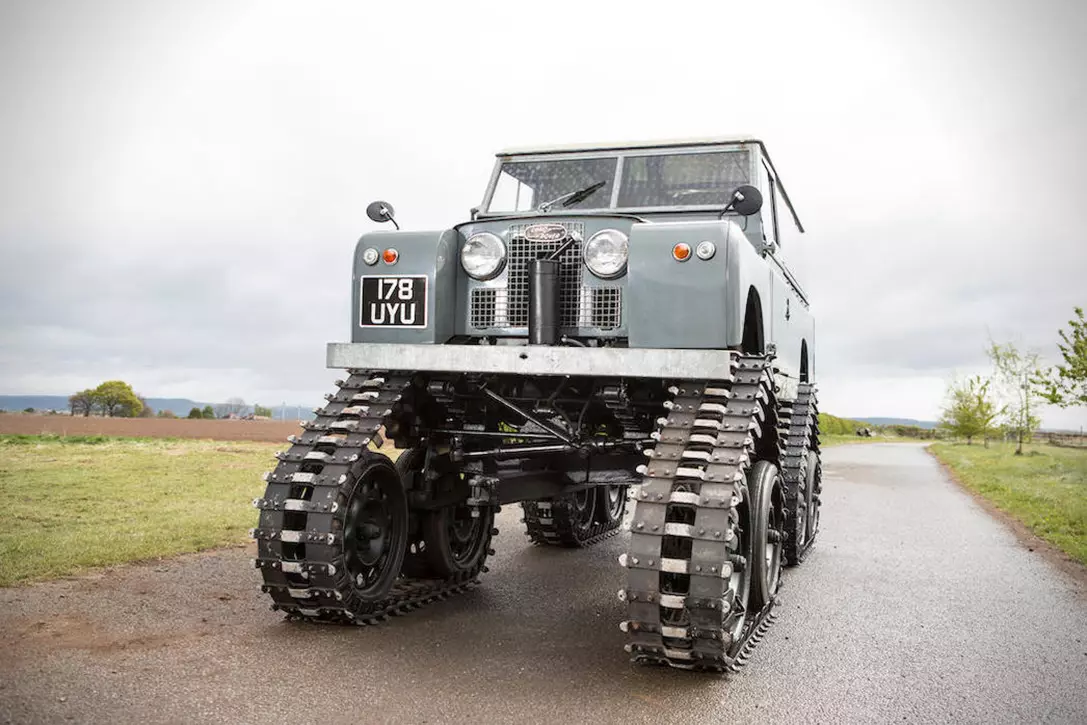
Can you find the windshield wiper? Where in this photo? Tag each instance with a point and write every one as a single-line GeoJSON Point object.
{"type": "Point", "coordinates": [573, 197]}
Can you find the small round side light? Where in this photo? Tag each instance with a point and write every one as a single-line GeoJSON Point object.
{"type": "Point", "coordinates": [681, 252]}
{"type": "Point", "coordinates": [390, 256]}
{"type": "Point", "coordinates": [706, 250]}
{"type": "Point", "coordinates": [370, 256]}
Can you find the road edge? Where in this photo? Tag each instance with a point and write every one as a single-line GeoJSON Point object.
{"type": "Point", "coordinates": [1064, 563]}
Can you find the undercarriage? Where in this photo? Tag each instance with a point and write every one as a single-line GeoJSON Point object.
{"type": "Point", "coordinates": [716, 469]}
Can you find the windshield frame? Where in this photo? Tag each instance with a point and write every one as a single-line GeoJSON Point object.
{"type": "Point", "coordinates": [620, 155]}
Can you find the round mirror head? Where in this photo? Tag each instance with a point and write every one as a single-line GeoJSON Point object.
{"type": "Point", "coordinates": [380, 211]}
{"type": "Point", "coordinates": [746, 200]}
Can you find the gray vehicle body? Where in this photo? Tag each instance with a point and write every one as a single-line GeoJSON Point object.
{"type": "Point", "coordinates": [660, 319]}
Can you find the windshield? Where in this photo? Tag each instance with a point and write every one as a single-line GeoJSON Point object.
{"type": "Point", "coordinates": [525, 185]}
{"type": "Point", "coordinates": [682, 179]}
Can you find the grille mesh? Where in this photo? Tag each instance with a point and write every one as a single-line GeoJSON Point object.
{"type": "Point", "coordinates": [498, 307]}
{"type": "Point", "coordinates": [522, 250]}
{"type": "Point", "coordinates": [607, 307]}
{"type": "Point", "coordinates": [484, 310]}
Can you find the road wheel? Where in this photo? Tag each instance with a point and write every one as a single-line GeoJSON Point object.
{"type": "Point", "coordinates": [566, 520]}
{"type": "Point", "coordinates": [457, 539]}
{"type": "Point", "coordinates": [611, 504]}
{"type": "Point", "coordinates": [447, 541]}
{"type": "Point", "coordinates": [375, 529]}
{"type": "Point", "coordinates": [767, 522]}
{"type": "Point", "coordinates": [798, 498]}
{"type": "Point", "coordinates": [416, 565]}
{"type": "Point", "coordinates": [575, 516]}
{"type": "Point", "coordinates": [814, 488]}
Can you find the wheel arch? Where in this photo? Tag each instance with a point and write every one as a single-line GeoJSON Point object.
{"type": "Point", "coordinates": [754, 329]}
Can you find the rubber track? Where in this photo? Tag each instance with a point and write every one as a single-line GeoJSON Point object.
{"type": "Point", "coordinates": [800, 426]}
{"type": "Point", "coordinates": [299, 542]}
{"type": "Point", "coordinates": [549, 523]}
{"type": "Point", "coordinates": [705, 447]}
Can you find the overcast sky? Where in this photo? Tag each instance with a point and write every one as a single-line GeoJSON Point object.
{"type": "Point", "coordinates": [182, 183]}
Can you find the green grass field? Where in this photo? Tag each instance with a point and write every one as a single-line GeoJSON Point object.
{"type": "Point", "coordinates": [1046, 488]}
{"type": "Point", "coordinates": [70, 504]}
{"type": "Point", "coordinates": [835, 439]}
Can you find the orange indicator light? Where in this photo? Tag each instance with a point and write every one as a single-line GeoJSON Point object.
{"type": "Point", "coordinates": [390, 255]}
{"type": "Point", "coordinates": [681, 252]}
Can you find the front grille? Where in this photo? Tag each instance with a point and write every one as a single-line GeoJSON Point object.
{"type": "Point", "coordinates": [579, 307]}
{"type": "Point", "coordinates": [521, 251]}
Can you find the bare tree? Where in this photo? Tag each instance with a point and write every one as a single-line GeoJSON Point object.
{"type": "Point", "coordinates": [233, 406]}
{"type": "Point", "coordinates": [1016, 371]}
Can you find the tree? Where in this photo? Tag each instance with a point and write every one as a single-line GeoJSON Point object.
{"type": "Point", "coordinates": [116, 398]}
{"type": "Point", "coordinates": [195, 413]}
{"type": "Point", "coordinates": [1066, 385]}
{"type": "Point", "coordinates": [232, 406]}
{"type": "Point", "coordinates": [147, 411]}
{"type": "Point", "coordinates": [170, 414]}
{"type": "Point", "coordinates": [207, 412]}
{"type": "Point", "coordinates": [28, 410]}
{"type": "Point", "coordinates": [1015, 373]}
{"type": "Point", "coordinates": [260, 410]}
{"type": "Point", "coordinates": [970, 409]}
{"type": "Point", "coordinates": [83, 402]}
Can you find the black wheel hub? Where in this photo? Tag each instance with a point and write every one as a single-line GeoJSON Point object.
{"type": "Point", "coordinates": [373, 527]}
{"type": "Point", "coordinates": [616, 500]}
{"type": "Point", "coordinates": [466, 534]}
{"type": "Point", "coordinates": [583, 505]}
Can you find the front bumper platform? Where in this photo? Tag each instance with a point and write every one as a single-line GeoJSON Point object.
{"type": "Point", "coordinates": [534, 360]}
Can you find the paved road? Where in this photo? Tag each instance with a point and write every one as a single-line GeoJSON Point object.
{"type": "Point", "coordinates": [915, 606]}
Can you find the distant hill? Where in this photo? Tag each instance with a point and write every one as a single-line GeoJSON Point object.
{"type": "Point", "coordinates": [178, 406]}
{"type": "Point", "coordinates": [898, 421]}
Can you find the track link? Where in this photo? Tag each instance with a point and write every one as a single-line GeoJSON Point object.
{"type": "Point", "coordinates": [551, 522]}
{"type": "Point", "coordinates": [800, 426]}
{"type": "Point", "coordinates": [688, 523]}
{"type": "Point", "coordinates": [300, 548]}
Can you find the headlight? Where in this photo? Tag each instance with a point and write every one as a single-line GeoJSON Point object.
{"type": "Point", "coordinates": [483, 255]}
{"type": "Point", "coordinates": [606, 253]}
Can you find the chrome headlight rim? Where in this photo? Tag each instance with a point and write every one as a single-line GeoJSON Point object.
{"type": "Point", "coordinates": [593, 264]}
{"type": "Point", "coordinates": [498, 261]}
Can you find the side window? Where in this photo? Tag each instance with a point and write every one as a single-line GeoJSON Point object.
{"type": "Point", "coordinates": [774, 206]}
{"type": "Point", "coordinates": [769, 205]}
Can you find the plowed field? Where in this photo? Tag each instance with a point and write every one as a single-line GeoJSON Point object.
{"type": "Point", "coordinates": [222, 430]}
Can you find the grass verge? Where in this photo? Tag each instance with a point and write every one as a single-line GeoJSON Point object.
{"type": "Point", "coordinates": [838, 439]}
{"type": "Point", "coordinates": [1045, 489]}
{"type": "Point", "coordinates": [79, 502]}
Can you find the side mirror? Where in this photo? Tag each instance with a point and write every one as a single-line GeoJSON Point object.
{"type": "Point", "coordinates": [746, 200]}
{"type": "Point", "coordinates": [381, 212]}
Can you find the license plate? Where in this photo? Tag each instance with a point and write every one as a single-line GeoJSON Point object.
{"type": "Point", "coordinates": [393, 301]}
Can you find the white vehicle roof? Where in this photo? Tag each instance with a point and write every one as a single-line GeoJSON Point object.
{"type": "Point", "coordinates": [620, 145]}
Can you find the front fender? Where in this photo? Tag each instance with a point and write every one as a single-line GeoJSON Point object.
{"type": "Point", "coordinates": [429, 254]}
{"type": "Point", "coordinates": [691, 304]}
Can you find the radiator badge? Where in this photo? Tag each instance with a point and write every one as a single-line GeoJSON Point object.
{"type": "Point", "coordinates": [545, 233]}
